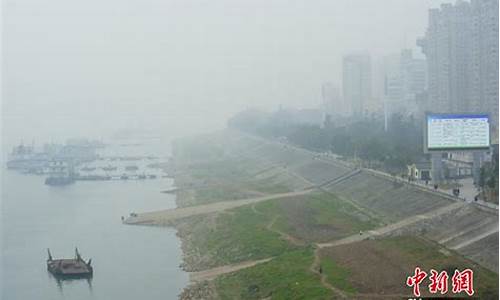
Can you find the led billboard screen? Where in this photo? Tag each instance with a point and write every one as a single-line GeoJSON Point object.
{"type": "Point", "coordinates": [447, 132]}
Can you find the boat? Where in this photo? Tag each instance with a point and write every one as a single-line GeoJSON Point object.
{"type": "Point", "coordinates": [124, 177]}
{"type": "Point", "coordinates": [61, 173]}
{"type": "Point", "coordinates": [87, 169]}
{"type": "Point", "coordinates": [69, 268]}
{"type": "Point", "coordinates": [25, 158]}
{"type": "Point", "coordinates": [109, 168]}
{"type": "Point", "coordinates": [93, 177]}
{"type": "Point", "coordinates": [59, 180]}
{"type": "Point", "coordinates": [131, 168]}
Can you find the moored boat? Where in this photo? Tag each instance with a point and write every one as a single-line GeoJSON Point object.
{"type": "Point", "coordinates": [60, 180]}
{"type": "Point", "coordinates": [69, 268]}
{"type": "Point", "coordinates": [110, 168]}
{"type": "Point", "coordinates": [131, 168]}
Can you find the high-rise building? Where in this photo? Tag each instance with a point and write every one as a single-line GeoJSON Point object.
{"type": "Point", "coordinates": [485, 57]}
{"type": "Point", "coordinates": [461, 46]}
{"type": "Point", "coordinates": [357, 84]}
{"type": "Point", "coordinates": [405, 79]}
{"type": "Point", "coordinates": [332, 101]}
{"type": "Point", "coordinates": [413, 73]}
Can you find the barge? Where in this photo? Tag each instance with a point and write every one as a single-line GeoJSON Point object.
{"type": "Point", "coordinates": [69, 268]}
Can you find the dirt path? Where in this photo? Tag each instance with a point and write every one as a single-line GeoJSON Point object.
{"type": "Point", "coordinates": [164, 216]}
{"type": "Point", "coordinates": [285, 236]}
{"type": "Point", "coordinates": [213, 273]}
{"type": "Point", "coordinates": [392, 227]}
{"type": "Point", "coordinates": [296, 175]}
{"type": "Point", "coordinates": [315, 269]}
{"type": "Point", "coordinates": [315, 265]}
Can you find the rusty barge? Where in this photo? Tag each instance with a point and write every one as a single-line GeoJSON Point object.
{"type": "Point", "coordinates": [69, 268]}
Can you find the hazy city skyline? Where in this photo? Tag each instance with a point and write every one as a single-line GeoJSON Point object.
{"type": "Point", "coordinates": [98, 66]}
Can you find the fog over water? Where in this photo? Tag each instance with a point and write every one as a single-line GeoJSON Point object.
{"type": "Point", "coordinates": [129, 262]}
{"type": "Point", "coordinates": [91, 67]}
{"type": "Point", "coordinates": [166, 68]}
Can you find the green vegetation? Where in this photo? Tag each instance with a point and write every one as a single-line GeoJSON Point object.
{"type": "Point", "coordinates": [221, 193]}
{"type": "Point", "coordinates": [235, 191]}
{"type": "Point", "coordinates": [285, 229]}
{"type": "Point", "coordinates": [259, 231]}
{"type": "Point", "coordinates": [330, 210]}
{"type": "Point", "coordinates": [285, 277]}
{"type": "Point", "coordinates": [228, 179]}
{"type": "Point", "coordinates": [239, 236]}
{"type": "Point", "coordinates": [365, 138]}
{"type": "Point", "coordinates": [427, 254]}
{"type": "Point", "coordinates": [488, 180]}
{"type": "Point", "coordinates": [316, 217]}
{"type": "Point", "coordinates": [337, 275]}
{"type": "Point", "coordinates": [267, 186]}
{"type": "Point", "coordinates": [391, 260]}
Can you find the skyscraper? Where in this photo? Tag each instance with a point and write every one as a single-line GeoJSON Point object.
{"type": "Point", "coordinates": [461, 46]}
{"type": "Point", "coordinates": [405, 78]}
{"type": "Point", "coordinates": [332, 102]}
{"type": "Point", "coordinates": [357, 85]}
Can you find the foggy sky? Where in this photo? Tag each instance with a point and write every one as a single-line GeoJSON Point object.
{"type": "Point", "coordinates": [90, 67]}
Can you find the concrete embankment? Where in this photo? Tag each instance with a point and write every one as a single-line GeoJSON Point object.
{"type": "Point", "coordinates": [467, 228]}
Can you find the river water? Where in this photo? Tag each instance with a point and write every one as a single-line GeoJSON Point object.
{"type": "Point", "coordinates": [130, 262]}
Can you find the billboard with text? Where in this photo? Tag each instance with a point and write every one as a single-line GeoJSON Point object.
{"type": "Point", "coordinates": [457, 132]}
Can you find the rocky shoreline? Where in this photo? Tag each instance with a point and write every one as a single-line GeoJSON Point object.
{"type": "Point", "coordinates": [192, 261]}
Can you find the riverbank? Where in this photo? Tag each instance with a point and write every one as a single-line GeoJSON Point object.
{"type": "Point", "coordinates": [270, 219]}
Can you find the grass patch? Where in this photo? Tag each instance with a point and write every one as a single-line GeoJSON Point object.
{"type": "Point", "coordinates": [240, 235]}
{"type": "Point", "coordinates": [381, 266]}
{"type": "Point", "coordinates": [337, 275]}
{"type": "Point", "coordinates": [285, 277]}
{"type": "Point", "coordinates": [221, 193]}
{"type": "Point", "coordinates": [330, 210]}
{"type": "Point", "coordinates": [427, 253]}
{"type": "Point", "coordinates": [236, 191]}
{"type": "Point", "coordinates": [267, 186]}
{"type": "Point", "coordinates": [316, 217]}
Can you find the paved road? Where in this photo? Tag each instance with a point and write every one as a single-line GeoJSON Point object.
{"type": "Point", "coordinates": [213, 273]}
{"type": "Point", "coordinates": [392, 227]}
{"type": "Point", "coordinates": [164, 216]}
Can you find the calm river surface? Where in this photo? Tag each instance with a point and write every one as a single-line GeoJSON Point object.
{"type": "Point", "coordinates": [130, 262]}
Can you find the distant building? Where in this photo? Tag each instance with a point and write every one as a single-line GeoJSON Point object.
{"type": "Point", "coordinates": [413, 73]}
{"type": "Point", "coordinates": [357, 83]}
{"type": "Point", "coordinates": [420, 170]}
{"type": "Point", "coordinates": [332, 101]}
{"type": "Point", "coordinates": [405, 80]}
{"type": "Point", "coordinates": [461, 46]}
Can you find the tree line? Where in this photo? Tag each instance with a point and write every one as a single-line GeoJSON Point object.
{"type": "Point", "coordinates": [364, 138]}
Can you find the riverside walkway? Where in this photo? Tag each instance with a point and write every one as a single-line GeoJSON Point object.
{"type": "Point", "coordinates": [165, 216]}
